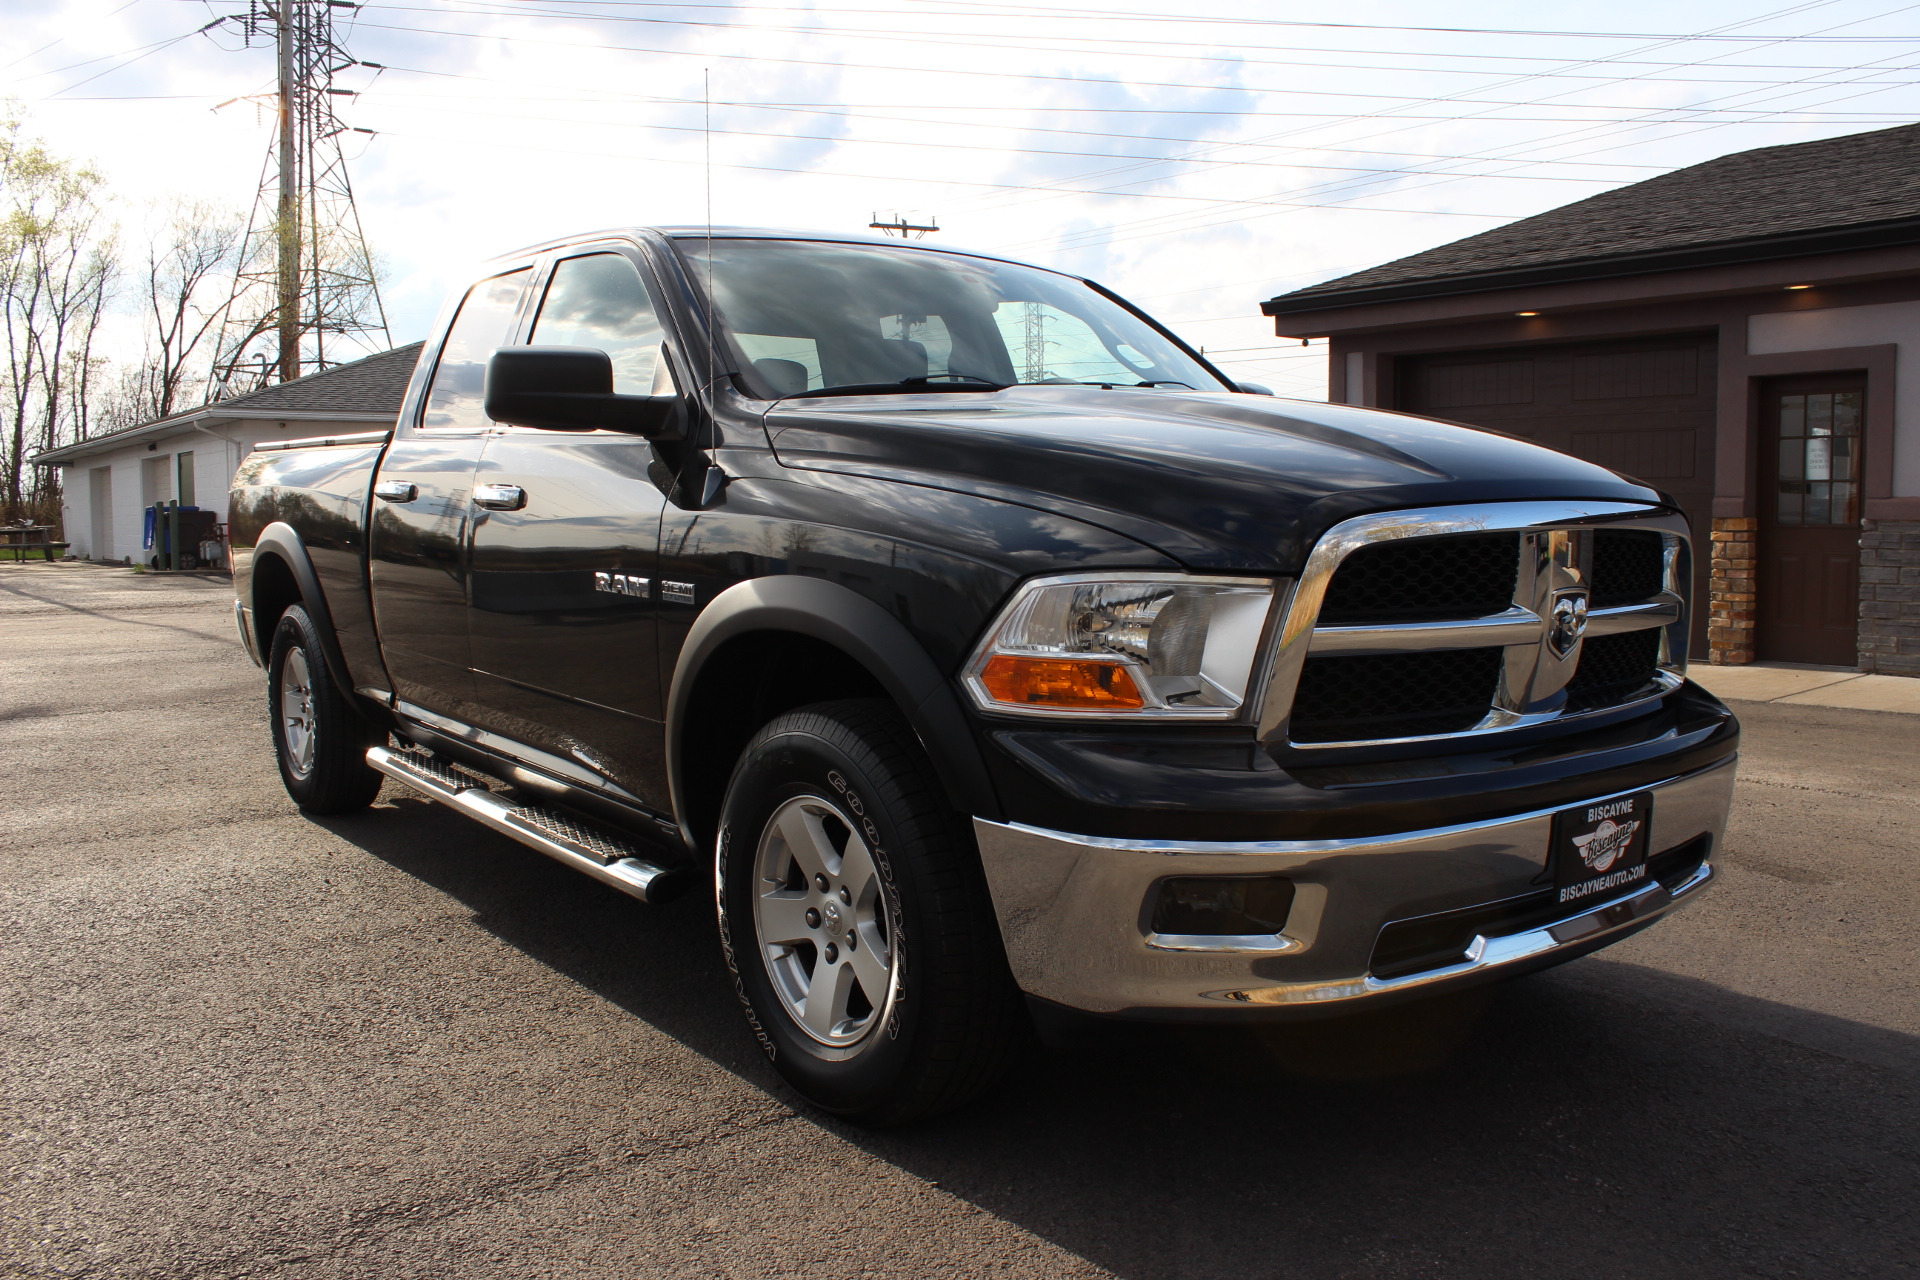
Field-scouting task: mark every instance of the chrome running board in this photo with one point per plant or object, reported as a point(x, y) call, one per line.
point(607, 856)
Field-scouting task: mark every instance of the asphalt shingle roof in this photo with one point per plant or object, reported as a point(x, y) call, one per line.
point(1757, 195)
point(376, 384)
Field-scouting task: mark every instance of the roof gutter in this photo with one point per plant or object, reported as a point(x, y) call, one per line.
point(197, 420)
point(1873, 235)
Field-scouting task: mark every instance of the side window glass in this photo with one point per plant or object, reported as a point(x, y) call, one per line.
point(483, 324)
point(600, 302)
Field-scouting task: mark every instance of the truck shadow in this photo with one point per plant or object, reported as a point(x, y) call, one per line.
point(1595, 1121)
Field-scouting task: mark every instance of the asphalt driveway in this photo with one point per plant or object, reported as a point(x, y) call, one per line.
point(235, 1041)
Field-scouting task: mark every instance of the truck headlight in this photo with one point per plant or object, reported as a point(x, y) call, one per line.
point(1132, 644)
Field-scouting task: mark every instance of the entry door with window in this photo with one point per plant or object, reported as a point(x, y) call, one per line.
point(421, 509)
point(1809, 581)
point(566, 530)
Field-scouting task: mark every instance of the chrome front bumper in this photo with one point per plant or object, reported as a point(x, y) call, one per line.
point(1072, 908)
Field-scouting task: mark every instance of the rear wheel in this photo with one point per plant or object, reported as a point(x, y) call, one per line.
point(856, 920)
point(320, 743)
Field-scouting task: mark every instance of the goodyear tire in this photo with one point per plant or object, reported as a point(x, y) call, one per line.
point(320, 743)
point(856, 921)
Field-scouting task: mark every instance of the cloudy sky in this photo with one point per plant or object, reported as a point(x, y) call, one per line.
point(1197, 158)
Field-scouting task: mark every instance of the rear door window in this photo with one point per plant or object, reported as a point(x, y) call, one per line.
point(483, 324)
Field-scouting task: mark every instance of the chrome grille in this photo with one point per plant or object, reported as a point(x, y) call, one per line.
point(1394, 695)
point(1613, 669)
point(1628, 565)
point(1459, 620)
point(1433, 578)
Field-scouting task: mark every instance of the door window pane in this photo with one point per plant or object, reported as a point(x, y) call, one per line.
point(1843, 454)
point(1819, 458)
point(1846, 413)
point(599, 301)
point(1793, 415)
point(484, 323)
point(1793, 501)
point(1820, 415)
point(1818, 503)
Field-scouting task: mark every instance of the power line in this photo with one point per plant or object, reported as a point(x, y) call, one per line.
point(925, 144)
point(964, 71)
point(1456, 98)
point(1351, 185)
point(974, 8)
point(1237, 57)
point(897, 177)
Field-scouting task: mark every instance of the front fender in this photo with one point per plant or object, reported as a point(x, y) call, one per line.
point(879, 642)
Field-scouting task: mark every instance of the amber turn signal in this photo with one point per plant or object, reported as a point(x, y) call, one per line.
point(1061, 682)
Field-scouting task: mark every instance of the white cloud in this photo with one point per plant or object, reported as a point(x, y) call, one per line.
point(499, 123)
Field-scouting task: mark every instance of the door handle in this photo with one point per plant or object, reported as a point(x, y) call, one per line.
point(395, 491)
point(499, 497)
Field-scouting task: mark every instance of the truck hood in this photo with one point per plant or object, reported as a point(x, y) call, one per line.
point(1216, 481)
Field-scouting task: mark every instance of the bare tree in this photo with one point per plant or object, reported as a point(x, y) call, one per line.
point(189, 266)
point(56, 266)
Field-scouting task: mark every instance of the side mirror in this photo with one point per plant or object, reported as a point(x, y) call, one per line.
point(571, 389)
point(1252, 389)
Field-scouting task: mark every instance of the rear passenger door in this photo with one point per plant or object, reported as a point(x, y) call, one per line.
point(562, 619)
point(422, 509)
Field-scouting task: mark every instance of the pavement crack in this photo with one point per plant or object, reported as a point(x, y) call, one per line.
point(1785, 784)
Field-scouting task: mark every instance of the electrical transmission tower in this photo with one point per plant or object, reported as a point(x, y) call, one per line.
point(305, 297)
point(1035, 342)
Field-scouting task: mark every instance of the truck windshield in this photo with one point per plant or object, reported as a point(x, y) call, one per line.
point(816, 318)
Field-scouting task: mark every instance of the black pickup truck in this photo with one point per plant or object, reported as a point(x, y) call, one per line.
point(985, 650)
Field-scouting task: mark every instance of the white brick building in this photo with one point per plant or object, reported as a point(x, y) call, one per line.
point(107, 482)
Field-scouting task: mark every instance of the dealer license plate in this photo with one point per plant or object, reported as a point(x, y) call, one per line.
point(1600, 849)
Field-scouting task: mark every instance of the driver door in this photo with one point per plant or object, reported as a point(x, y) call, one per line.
point(566, 531)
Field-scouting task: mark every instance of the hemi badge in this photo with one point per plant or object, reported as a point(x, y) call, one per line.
point(622, 584)
point(677, 592)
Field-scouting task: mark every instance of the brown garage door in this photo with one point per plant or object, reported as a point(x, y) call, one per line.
point(1643, 407)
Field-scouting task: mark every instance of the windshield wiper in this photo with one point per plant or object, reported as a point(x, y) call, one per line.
point(932, 381)
point(1108, 386)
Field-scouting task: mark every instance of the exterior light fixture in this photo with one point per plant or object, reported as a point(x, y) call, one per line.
point(1526, 313)
point(1792, 287)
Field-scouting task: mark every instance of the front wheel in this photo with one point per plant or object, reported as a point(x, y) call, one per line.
point(856, 921)
point(320, 743)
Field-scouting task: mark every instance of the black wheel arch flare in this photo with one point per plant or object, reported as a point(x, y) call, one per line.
point(280, 541)
point(839, 617)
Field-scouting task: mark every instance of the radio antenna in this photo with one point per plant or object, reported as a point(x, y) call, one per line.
point(713, 336)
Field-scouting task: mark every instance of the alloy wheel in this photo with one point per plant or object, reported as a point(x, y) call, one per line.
point(296, 712)
point(822, 921)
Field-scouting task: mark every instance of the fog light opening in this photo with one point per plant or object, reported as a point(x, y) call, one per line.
point(1222, 906)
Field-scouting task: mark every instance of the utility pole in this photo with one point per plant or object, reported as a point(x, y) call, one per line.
point(305, 287)
point(901, 227)
point(287, 214)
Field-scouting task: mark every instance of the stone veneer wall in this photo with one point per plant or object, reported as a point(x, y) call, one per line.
point(1890, 597)
point(1730, 590)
